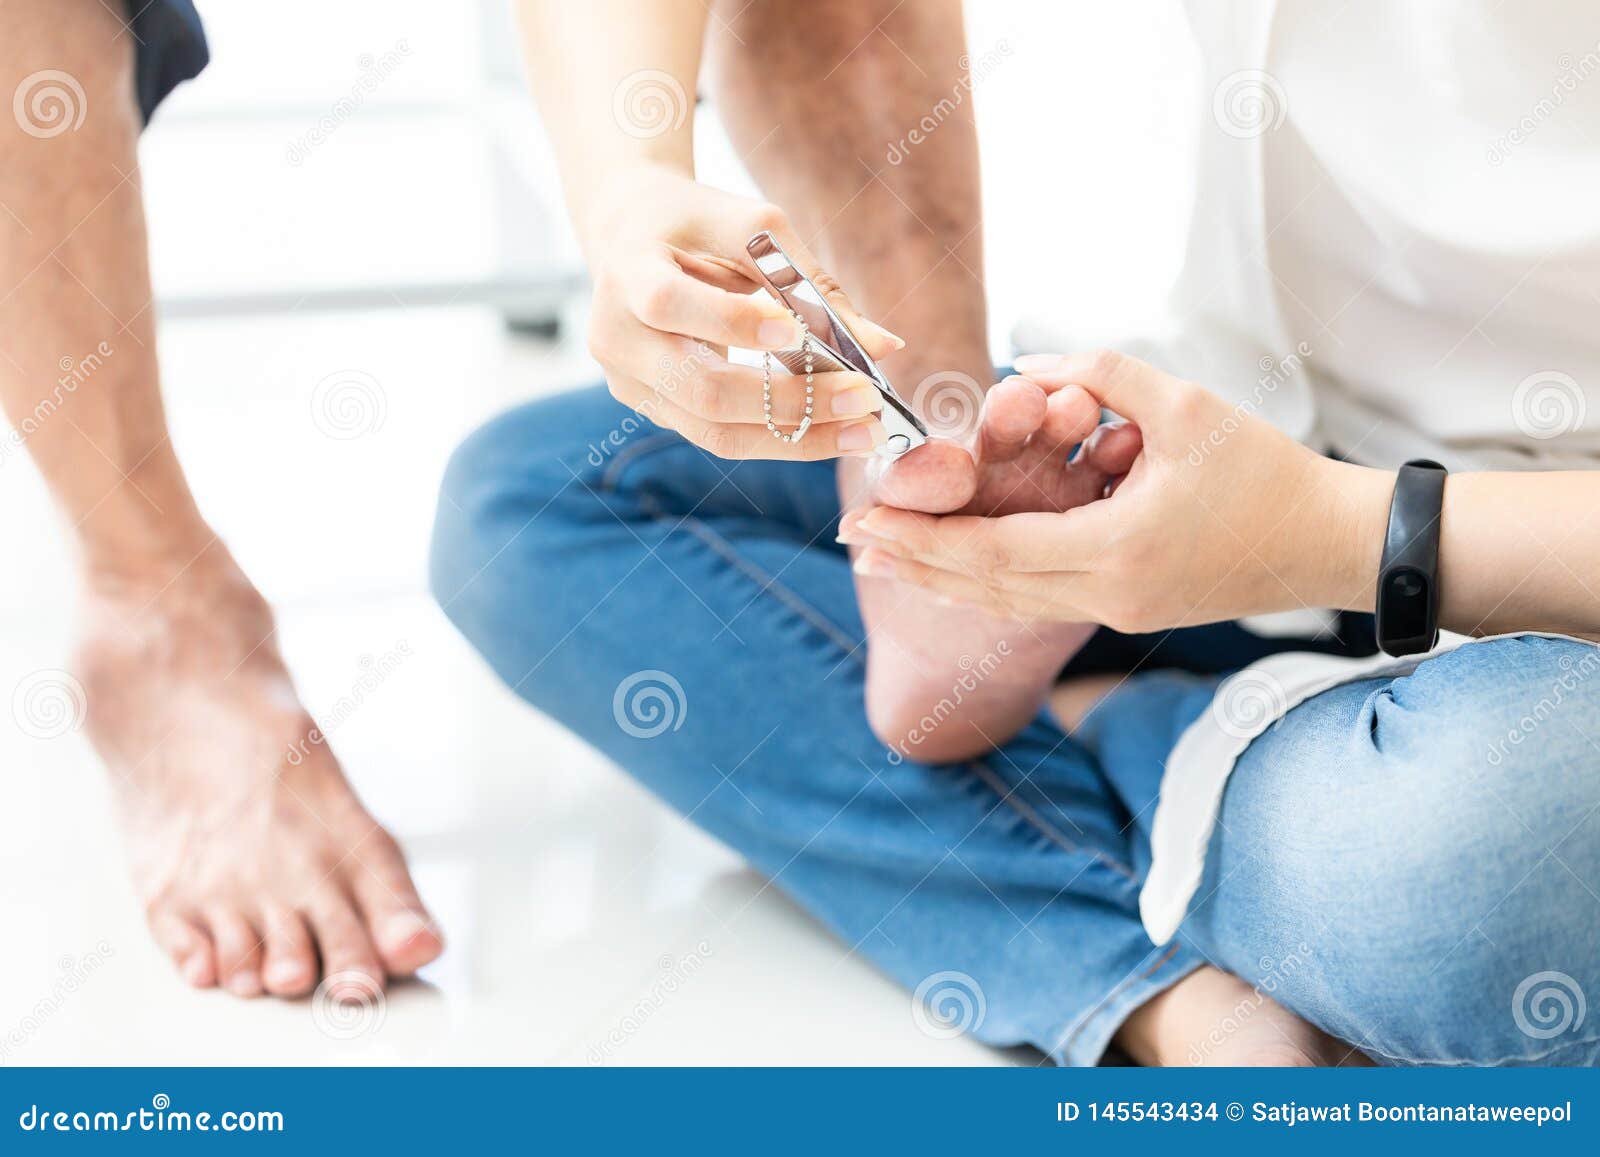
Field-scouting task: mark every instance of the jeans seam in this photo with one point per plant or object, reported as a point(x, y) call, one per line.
point(1008, 796)
point(1108, 1005)
point(662, 440)
point(768, 583)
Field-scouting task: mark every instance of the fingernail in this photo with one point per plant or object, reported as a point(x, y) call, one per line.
point(895, 339)
point(194, 969)
point(945, 601)
point(849, 520)
point(777, 333)
point(873, 565)
point(245, 984)
point(876, 528)
point(857, 402)
point(866, 436)
point(1037, 363)
point(859, 538)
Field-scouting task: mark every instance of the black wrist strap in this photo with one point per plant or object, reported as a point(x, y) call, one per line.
point(1408, 580)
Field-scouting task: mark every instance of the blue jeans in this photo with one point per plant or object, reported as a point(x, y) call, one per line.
point(1373, 870)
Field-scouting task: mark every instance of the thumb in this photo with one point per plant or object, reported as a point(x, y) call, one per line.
point(1124, 385)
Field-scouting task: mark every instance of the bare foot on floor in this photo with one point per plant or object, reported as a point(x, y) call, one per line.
point(1211, 1018)
point(258, 867)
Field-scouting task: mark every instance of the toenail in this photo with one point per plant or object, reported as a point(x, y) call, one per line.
point(286, 972)
point(244, 984)
point(404, 926)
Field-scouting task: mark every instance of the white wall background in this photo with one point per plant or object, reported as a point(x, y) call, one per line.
point(1084, 129)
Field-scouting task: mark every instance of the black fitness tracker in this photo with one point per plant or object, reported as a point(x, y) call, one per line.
point(1408, 579)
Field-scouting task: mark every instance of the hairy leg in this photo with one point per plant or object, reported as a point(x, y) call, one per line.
point(257, 865)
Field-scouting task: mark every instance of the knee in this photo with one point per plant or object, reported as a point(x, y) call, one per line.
point(511, 492)
point(1421, 870)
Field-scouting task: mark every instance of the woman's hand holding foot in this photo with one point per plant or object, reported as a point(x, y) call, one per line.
point(1019, 457)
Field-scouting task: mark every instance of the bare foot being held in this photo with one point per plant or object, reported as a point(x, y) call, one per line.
point(258, 867)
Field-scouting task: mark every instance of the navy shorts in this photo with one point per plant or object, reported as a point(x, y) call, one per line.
point(170, 44)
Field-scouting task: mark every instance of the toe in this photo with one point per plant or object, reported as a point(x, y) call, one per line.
point(289, 966)
point(238, 952)
point(935, 478)
point(397, 922)
point(348, 956)
point(1072, 415)
point(1113, 448)
point(406, 939)
point(189, 947)
point(1012, 413)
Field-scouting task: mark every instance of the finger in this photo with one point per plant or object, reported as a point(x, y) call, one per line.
point(1013, 411)
point(665, 298)
point(736, 440)
point(878, 341)
point(1113, 448)
point(350, 963)
point(1119, 383)
point(1020, 543)
point(1071, 416)
point(1035, 600)
point(289, 958)
point(238, 952)
point(719, 271)
point(702, 382)
point(397, 921)
point(189, 947)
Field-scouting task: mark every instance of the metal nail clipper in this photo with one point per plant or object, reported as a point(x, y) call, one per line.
point(829, 346)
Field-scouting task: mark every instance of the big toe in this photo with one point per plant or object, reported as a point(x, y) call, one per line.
point(935, 478)
point(407, 940)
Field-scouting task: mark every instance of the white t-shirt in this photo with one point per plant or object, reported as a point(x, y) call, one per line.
point(1394, 253)
point(1395, 244)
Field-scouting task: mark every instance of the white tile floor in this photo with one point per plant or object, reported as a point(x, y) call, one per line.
point(571, 899)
